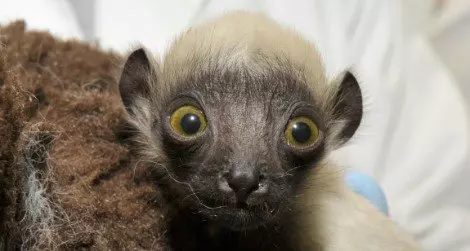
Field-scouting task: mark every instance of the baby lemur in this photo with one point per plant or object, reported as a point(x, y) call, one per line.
point(237, 125)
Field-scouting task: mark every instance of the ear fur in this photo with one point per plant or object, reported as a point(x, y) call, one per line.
point(137, 85)
point(136, 79)
point(348, 106)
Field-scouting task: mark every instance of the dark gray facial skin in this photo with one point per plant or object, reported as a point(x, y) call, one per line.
point(243, 145)
point(239, 173)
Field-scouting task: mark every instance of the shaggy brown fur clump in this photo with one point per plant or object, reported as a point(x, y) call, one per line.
point(66, 180)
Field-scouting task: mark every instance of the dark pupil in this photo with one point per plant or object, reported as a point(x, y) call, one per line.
point(190, 123)
point(301, 132)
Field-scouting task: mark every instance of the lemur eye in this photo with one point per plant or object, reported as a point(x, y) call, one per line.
point(188, 121)
point(301, 132)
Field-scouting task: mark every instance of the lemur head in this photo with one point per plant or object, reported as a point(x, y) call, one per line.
point(236, 116)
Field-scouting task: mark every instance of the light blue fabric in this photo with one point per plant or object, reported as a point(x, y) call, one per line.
point(366, 186)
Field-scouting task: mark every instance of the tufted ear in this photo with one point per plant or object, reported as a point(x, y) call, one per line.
point(136, 79)
point(348, 106)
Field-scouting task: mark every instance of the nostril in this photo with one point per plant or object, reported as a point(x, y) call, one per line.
point(226, 175)
point(243, 184)
point(255, 186)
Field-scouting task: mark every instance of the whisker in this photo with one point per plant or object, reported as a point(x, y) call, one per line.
point(193, 192)
point(289, 172)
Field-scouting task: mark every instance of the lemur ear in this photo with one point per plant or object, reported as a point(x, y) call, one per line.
point(348, 106)
point(136, 78)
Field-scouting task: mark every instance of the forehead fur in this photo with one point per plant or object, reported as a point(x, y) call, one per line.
point(248, 44)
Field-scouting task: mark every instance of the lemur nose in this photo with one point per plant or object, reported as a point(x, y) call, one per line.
point(243, 182)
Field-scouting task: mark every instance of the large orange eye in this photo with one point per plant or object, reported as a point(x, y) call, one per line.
point(188, 121)
point(301, 132)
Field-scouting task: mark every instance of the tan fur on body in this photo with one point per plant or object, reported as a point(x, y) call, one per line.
point(339, 219)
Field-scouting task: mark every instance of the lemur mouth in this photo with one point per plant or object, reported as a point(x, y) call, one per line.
point(242, 205)
point(241, 219)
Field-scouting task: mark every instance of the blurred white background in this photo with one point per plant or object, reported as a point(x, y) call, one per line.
point(412, 58)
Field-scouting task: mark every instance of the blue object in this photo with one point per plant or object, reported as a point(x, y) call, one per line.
point(367, 187)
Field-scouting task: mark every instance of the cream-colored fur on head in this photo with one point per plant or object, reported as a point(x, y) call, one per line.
point(234, 40)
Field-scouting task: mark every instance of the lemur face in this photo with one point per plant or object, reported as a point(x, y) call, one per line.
point(235, 129)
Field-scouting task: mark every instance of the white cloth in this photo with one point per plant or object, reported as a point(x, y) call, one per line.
point(55, 16)
point(415, 135)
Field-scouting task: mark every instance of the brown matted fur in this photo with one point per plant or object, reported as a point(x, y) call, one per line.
point(66, 181)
